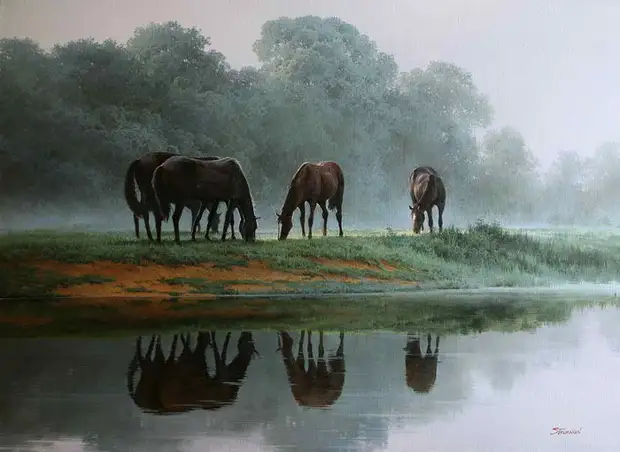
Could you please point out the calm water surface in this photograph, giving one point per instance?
(373, 391)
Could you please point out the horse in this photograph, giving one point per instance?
(318, 386)
(314, 183)
(181, 179)
(140, 172)
(420, 372)
(427, 190)
(216, 221)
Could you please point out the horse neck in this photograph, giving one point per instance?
(246, 207)
(292, 200)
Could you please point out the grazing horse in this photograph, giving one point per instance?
(140, 172)
(181, 179)
(318, 386)
(314, 183)
(210, 206)
(427, 190)
(420, 371)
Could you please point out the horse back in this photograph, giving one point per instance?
(425, 178)
(420, 170)
(331, 167)
(334, 170)
(147, 165)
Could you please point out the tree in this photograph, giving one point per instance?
(508, 177)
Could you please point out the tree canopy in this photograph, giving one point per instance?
(72, 118)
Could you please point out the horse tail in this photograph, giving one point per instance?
(130, 189)
(336, 200)
(162, 203)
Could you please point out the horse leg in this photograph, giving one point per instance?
(302, 218)
(212, 213)
(232, 205)
(325, 215)
(429, 212)
(176, 216)
(195, 212)
(311, 218)
(136, 226)
(440, 208)
(147, 224)
(196, 222)
(232, 226)
(339, 218)
(158, 222)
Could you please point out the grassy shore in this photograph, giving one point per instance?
(423, 312)
(47, 264)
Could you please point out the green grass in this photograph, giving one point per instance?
(482, 255)
(431, 313)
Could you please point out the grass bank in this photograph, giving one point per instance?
(421, 312)
(47, 264)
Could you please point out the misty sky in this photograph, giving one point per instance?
(548, 66)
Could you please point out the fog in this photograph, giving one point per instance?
(513, 104)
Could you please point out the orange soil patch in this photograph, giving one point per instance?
(354, 264)
(149, 278)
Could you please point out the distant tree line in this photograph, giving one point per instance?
(72, 119)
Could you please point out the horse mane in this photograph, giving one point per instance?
(298, 172)
(291, 193)
(246, 184)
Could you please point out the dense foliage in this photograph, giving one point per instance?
(72, 118)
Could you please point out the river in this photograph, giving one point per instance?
(483, 391)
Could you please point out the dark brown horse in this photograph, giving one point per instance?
(318, 386)
(196, 213)
(314, 183)
(187, 385)
(420, 371)
(427, 190)
(140, 173)
(181, 179)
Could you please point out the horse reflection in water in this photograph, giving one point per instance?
(420, 371)
(183, 383)
(321, 384)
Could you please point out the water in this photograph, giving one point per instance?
(487, 391)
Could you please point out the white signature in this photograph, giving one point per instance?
(565, 431)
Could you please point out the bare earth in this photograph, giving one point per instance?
(130, 280)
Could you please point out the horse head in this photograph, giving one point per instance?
(417, 218)
(249, 227)
(286, 222)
